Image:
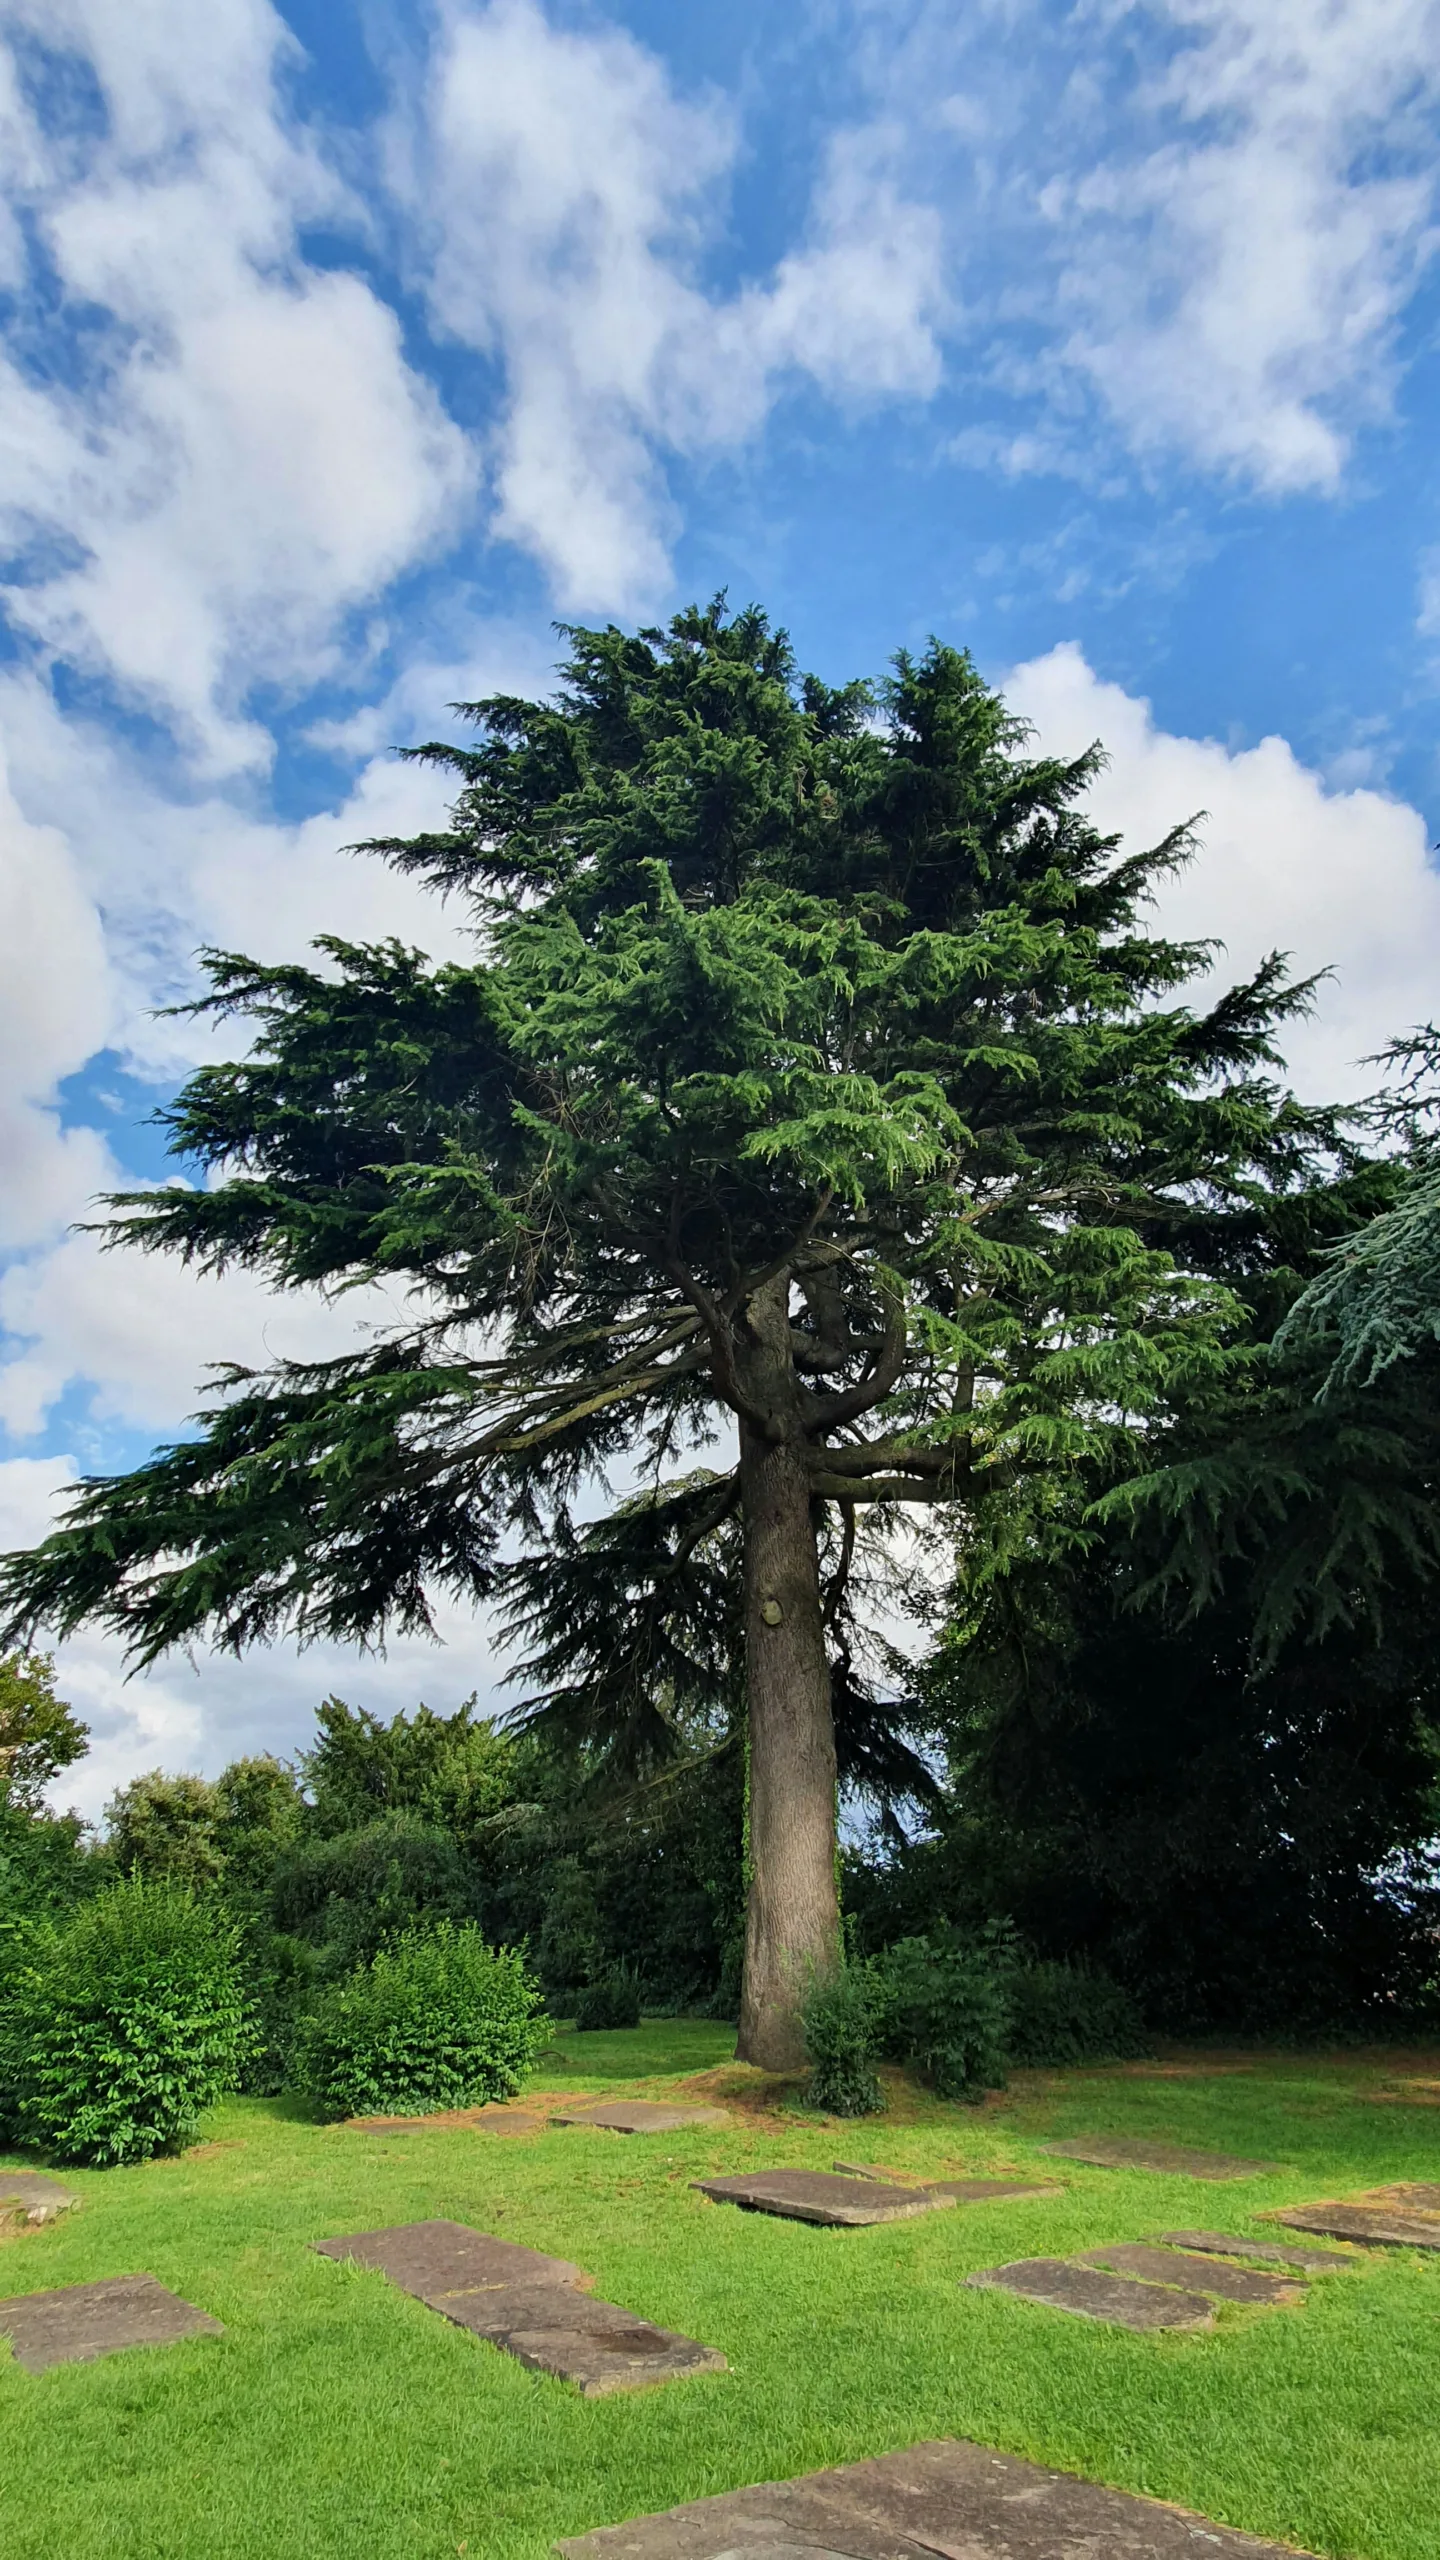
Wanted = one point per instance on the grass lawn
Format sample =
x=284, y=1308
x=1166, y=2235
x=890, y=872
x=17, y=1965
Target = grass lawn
x=338, y=2417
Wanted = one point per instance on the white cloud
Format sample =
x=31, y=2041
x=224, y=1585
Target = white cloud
x=55, y=1003
x=1339, y=879
x=1212, y=214
x=568, y=193
x=198, y=1711
x=250, y=457
x=1235, y=287
x=141, y=1330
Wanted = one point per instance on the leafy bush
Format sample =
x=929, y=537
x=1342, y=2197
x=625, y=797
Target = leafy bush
x=947, y=2010
x=352, y=1895
x=279, y=1975
x=1060, y=2014
x=124, y=2024
x=437, y=2020
x=611, y=2000
x=845, y=2021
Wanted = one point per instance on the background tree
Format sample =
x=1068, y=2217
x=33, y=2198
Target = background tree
x=39, y=1735
x=814, y=1088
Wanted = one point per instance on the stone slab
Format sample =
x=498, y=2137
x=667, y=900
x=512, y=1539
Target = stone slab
x=817, y=2195
x=594, y=2344
x=957, y=2190
x=1414, y=2195
x=1285, y=2253
x=1395, y=2229
x=1222, y=2282
x=1065, y=2286
x=78, y=2322
x=641, y=2115
x=530, y=2305
x=27, y=2196
x=454, y=2120
x=958, y=2500
x=431, y=2259
x=1172, y=2159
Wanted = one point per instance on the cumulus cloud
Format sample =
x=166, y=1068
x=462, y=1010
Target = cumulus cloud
x=55, y=1005
x=1340, y=879
x=1235, y=287
x=568, y=193
x=198, y=1710
x=234, y=452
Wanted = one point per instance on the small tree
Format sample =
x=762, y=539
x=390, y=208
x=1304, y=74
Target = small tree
x=814, y=1088
x=164, y=1827
x=39, y=1736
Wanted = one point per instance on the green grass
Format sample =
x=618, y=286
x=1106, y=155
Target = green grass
x=337, y=2417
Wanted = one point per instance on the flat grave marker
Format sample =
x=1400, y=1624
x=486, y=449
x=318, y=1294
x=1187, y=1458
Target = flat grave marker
x=958, y=2190
x=641, y=2115
x=532, y=2306
x=1063, y=2284
x=1372, y=2216
x=1223, y=2282
x=27, y=2196
x=77, y=2322
x=501, y=2120
x=953, y=2499
x=818, y=2195
x=1289, y=2253
x=1171, y=2159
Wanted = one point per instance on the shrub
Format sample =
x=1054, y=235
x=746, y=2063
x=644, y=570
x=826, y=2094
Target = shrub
x=947, y=2010
x=437, y=2020
x=611, y=2000
x=1061, y=2014
x=352, y=1895
x=844, y=2030
x=278, y=1974
x=124, y=2024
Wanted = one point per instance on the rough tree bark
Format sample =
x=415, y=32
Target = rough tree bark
x=792, y=1925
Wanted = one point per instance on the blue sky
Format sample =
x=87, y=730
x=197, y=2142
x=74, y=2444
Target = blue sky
x=345, y=347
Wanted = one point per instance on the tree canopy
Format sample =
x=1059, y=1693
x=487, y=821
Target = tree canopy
x=815, y=1097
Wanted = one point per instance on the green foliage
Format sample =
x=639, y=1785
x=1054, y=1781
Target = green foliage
x=259, y=1813
x=1061, y=2014
x=947, y=2010
x=845, y=2021
x=611, y=2000
x=452, y=1772
x=765, y=985
x=38, y=1734
x=351, y=1894
x=1255, y=1858
x=124, y=2024
x=167, y=1828
x=438, y=2020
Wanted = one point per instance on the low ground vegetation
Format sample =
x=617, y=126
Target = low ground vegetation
x=330, y=2396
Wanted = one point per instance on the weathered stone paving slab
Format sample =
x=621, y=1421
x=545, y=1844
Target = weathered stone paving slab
x=1415, y=2195
x=529, y=2304
x=78, y=2322
x=955, y=2499
x=959, y=2190
x=1067, y=2286
x=454, y=2120
x=430, y=2258
x=27, y=2196
x=1285, y=2253
x=1390, y=2229
x=1118, y=2151
x=817, y=2195
x=597, y=2346
x=1175, y=2266
x=641, y=2115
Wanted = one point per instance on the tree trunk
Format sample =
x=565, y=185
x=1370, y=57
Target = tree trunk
x=792, y=1924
